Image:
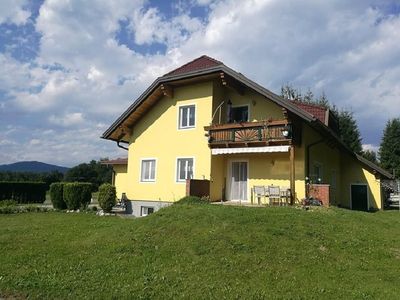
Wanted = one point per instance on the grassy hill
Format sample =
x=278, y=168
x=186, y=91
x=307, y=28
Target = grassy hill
x=32, y=166
x=202, y=252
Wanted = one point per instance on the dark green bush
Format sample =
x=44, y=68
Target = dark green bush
x=192, y=200
x=107, y=197
x=77, y=195
x=56, y=195
x=23, y=192
x=5, y=203
x=22, y=209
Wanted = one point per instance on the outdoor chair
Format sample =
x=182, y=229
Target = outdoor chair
x=259, y=193
x=274, y=193
x=122, y=202
x=285, y=195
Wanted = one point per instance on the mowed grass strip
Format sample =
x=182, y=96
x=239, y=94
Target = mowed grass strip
x=202, y=251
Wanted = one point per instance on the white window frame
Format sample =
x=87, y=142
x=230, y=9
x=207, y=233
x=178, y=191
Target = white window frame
x=180, y=127
x=146, y=208
x=155, y=170
x=177, y=179
x=229, y=179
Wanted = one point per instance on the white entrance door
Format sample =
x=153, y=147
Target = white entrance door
x=239, y=180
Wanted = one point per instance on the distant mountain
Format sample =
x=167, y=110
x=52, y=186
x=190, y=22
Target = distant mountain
x=32, y=166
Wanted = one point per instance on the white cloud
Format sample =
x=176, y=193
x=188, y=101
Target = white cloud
x=69, y=119
x=348, y=49
x=150, y=27
x=12, y=11
x=370, y=147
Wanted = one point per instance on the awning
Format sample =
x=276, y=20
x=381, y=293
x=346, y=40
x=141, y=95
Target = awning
x=266, y=149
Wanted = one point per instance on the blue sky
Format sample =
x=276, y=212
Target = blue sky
x=70, y=68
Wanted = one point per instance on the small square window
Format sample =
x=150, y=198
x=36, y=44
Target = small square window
x=184, y=169
x=148, y=170
x=146, y=210
x=187, y=116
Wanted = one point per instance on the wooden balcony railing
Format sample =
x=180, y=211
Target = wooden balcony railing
x=250, y=134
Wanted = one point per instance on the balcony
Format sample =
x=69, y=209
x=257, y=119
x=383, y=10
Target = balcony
x=250, y=134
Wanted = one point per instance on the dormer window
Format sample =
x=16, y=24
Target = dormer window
x=187, y=116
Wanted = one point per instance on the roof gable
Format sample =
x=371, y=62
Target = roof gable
x=200, y=63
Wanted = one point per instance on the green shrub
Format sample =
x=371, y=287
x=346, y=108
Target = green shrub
x=56, y=195
x=77, y=195
x=107, y=197
x=9, y=210
x=23, y=191
x=15, y=209
x=192, y=200
x=6, y=203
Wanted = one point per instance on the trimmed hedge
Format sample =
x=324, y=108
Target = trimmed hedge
x=23, y=191
x=56, y=195
x=77, y=195
x=107, y=197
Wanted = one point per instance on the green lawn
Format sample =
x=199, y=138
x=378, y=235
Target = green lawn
x=202, y=251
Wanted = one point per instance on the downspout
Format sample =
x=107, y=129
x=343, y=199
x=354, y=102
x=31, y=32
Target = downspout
x=120, y=146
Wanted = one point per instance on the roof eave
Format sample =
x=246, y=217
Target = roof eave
x=151, y=89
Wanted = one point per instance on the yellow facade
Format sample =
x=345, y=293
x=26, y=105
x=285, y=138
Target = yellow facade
x=157, y=136
x=263, y=170
x=357, y=174
x=120, y=179
x=324, y=156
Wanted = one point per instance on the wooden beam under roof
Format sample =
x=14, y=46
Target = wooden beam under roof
x=167, y=90
x=232, y=84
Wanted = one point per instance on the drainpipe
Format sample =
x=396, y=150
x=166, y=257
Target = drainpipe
x=122, y=147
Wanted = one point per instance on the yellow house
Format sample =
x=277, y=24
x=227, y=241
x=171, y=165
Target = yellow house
x=206, y=123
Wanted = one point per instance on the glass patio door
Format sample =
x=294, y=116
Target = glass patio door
x=239, y=181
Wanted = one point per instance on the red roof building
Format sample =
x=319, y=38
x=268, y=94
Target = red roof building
x=200, y=63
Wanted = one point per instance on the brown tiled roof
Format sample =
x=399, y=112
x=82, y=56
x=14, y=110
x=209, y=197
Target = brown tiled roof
x=200, y=63
x=117, y=161
x=315, y=110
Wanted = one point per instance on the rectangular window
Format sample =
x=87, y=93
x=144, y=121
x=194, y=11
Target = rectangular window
x=184, y=169
x=148, y=170
x=187, y=116
x=239, y=114
x=317, y=173
x=146, y=210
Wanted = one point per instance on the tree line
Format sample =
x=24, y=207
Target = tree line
x=388, y=155
x=93, y=172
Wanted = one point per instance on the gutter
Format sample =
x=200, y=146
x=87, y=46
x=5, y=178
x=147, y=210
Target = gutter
x=120, y=146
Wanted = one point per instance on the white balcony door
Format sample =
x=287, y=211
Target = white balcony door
x=238, y=184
